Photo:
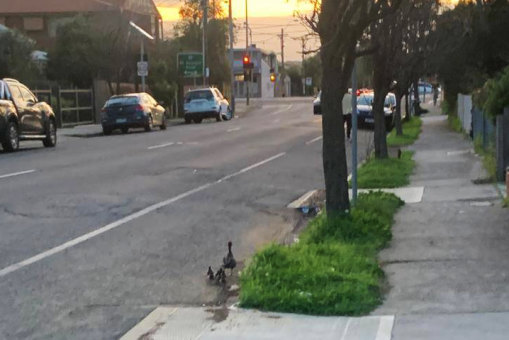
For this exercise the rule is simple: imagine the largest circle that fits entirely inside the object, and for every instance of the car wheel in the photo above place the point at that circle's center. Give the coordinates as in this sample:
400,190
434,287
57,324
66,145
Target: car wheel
197,120
150,124
51,135
10,141
187,120
163,123
107,131
124,130
228,115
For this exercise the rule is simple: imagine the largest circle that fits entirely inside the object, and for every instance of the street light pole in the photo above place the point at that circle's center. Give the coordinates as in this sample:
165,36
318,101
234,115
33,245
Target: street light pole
354,133
247,53
232,76
142,54
204,40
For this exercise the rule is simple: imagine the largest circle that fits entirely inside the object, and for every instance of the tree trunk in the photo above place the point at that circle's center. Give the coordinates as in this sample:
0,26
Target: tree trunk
334,154
381,151
397,114
408,114
417,99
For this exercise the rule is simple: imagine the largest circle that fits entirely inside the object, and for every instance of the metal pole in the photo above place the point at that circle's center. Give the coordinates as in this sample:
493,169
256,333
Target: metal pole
141,59
232,76
204,40
247,52
354,134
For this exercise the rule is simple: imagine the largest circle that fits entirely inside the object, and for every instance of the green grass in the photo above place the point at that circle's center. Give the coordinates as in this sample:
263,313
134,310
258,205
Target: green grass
506,202
454,123
488,157
386,173
411,132
333,270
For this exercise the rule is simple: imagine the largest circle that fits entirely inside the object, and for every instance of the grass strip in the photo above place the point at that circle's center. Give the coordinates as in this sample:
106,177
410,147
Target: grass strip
411,132
386,173
333,270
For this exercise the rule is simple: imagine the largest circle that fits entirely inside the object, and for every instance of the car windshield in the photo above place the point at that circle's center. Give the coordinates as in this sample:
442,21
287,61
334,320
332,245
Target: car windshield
194,95
365,99
121,101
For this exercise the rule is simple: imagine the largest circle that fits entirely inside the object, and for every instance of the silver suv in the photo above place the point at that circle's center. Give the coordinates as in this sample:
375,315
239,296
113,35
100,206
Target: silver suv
206,103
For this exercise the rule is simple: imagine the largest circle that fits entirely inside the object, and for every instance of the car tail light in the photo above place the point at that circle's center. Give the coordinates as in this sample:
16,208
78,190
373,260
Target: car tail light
139,107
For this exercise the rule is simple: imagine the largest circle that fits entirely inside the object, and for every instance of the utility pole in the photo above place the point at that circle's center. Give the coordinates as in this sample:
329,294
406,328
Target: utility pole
303,40
283,60
204,40
232,76
354,133
248,83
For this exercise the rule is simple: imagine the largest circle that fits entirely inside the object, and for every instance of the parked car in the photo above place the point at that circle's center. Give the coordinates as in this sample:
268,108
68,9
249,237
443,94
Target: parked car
365,109
23,117
206,103
135,110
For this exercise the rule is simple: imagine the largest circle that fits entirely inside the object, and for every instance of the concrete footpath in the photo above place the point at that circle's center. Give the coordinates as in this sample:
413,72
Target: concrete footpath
205,323
448,263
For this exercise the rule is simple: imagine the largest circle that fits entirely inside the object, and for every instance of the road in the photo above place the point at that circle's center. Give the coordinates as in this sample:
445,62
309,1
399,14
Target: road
99,231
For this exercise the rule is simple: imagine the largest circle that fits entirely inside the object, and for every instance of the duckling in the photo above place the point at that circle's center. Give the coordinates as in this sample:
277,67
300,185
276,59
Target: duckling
210,274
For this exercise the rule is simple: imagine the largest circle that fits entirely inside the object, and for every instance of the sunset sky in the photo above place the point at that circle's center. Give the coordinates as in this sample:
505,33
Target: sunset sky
257,8
267,17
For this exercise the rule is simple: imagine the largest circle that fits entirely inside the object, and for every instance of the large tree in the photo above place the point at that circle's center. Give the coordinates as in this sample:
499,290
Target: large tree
16,56
83,53
402,50
340,24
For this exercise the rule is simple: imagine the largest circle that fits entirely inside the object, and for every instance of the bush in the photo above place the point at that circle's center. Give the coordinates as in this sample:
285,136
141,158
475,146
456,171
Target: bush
497,94
333,270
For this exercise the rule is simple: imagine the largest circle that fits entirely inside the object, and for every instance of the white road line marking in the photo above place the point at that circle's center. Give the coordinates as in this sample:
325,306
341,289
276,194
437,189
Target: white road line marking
160,146
345,331
233,129
58,249
18,173
282,110
314,140
385,328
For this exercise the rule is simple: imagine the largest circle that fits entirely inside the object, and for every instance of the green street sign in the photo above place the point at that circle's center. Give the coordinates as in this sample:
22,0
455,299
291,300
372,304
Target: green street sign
190,65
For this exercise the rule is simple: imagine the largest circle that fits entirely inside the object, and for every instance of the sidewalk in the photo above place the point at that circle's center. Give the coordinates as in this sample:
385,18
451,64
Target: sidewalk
205,323
448,264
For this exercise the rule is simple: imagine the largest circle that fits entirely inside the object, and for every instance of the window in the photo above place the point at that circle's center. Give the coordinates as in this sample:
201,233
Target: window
27,95
16,96
33,23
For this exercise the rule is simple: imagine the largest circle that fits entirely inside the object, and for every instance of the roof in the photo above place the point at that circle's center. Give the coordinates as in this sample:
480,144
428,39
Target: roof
73,6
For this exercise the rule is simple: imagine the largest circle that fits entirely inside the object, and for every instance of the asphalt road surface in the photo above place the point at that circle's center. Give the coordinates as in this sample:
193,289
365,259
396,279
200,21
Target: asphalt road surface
97,232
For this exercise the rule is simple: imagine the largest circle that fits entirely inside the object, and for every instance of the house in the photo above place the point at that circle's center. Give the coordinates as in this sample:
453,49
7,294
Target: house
261,85
40,19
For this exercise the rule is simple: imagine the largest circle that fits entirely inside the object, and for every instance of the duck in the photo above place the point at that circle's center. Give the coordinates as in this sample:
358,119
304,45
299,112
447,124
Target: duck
229,261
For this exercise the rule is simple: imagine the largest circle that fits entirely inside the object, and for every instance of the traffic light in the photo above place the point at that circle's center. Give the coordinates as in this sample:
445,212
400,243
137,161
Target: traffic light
246,61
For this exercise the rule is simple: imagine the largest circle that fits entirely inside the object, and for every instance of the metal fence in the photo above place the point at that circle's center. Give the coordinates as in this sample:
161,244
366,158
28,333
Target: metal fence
71,106
76,106
483,128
